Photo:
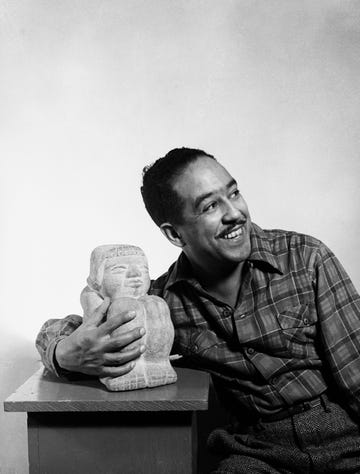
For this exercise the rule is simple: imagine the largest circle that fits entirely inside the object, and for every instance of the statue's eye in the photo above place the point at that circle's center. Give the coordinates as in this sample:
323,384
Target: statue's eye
118,268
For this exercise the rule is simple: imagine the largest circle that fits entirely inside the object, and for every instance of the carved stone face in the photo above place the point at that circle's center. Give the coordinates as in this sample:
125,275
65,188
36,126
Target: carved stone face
125,276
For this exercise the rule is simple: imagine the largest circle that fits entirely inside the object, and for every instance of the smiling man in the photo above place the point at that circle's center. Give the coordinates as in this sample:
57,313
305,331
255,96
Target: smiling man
214,226
271,314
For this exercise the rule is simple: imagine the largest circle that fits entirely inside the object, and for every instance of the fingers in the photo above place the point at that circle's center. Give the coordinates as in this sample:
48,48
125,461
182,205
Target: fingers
116,321
98,315
116,359
118,342
112,371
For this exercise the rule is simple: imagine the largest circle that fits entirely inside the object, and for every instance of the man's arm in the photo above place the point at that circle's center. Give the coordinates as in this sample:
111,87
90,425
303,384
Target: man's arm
338,305
70,345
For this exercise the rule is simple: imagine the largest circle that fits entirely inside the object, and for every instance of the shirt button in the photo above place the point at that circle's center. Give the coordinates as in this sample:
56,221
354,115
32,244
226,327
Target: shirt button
306,321
250,350
274,380
226,312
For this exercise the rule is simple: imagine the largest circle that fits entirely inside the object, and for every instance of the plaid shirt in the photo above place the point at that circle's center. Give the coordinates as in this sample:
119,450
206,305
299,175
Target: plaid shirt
294,333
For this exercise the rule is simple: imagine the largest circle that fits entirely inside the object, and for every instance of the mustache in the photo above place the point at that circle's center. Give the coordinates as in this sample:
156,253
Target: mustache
232,228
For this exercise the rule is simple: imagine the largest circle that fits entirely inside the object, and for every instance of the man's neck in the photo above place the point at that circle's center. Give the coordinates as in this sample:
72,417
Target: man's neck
223,285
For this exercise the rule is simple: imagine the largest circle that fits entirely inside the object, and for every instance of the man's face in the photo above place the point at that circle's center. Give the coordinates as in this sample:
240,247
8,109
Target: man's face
125,276
215,228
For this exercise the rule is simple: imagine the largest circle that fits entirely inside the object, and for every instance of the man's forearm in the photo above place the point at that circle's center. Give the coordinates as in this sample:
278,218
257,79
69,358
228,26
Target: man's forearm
91,347
50,334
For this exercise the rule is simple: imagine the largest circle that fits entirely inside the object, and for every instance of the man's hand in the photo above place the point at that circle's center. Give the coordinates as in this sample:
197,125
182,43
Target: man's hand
91,348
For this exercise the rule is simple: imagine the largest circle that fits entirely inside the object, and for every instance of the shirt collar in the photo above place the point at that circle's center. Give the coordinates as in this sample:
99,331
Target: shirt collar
261,256
180,270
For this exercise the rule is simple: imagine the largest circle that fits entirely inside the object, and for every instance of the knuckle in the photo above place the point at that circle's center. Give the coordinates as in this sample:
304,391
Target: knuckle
89,339
123,339
119,360
86,340
135,333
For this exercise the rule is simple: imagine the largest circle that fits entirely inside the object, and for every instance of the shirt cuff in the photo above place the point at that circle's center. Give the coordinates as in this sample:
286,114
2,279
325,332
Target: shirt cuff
50,361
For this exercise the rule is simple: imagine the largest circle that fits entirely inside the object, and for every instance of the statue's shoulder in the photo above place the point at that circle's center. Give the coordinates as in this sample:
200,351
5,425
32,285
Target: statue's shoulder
89,300
89,292
153,300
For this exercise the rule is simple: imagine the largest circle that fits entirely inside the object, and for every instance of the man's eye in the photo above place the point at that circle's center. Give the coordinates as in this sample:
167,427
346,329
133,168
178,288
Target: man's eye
235,194
210,207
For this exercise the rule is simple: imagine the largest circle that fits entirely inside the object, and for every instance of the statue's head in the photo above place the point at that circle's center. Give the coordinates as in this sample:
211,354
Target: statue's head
119,270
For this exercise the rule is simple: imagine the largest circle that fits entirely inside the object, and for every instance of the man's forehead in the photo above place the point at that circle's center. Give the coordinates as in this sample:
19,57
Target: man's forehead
203,176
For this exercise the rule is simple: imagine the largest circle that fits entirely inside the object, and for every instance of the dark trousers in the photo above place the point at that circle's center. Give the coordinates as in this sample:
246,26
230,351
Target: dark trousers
324,439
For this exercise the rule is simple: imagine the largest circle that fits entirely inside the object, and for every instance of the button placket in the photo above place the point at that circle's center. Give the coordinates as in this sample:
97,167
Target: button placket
227,312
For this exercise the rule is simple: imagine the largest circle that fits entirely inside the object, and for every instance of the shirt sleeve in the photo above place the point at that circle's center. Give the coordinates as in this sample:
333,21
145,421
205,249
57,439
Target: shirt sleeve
50,334
338,306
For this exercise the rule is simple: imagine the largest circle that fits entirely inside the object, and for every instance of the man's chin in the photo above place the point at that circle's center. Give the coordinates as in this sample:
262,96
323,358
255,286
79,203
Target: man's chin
236,251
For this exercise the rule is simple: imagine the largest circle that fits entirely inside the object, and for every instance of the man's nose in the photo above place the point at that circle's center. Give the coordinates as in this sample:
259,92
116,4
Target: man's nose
232,212
133,271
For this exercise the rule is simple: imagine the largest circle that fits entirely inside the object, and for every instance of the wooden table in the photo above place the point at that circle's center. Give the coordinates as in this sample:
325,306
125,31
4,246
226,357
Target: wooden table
80,427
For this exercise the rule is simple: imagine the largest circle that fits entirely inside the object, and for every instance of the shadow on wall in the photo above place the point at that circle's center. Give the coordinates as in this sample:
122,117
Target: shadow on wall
18,360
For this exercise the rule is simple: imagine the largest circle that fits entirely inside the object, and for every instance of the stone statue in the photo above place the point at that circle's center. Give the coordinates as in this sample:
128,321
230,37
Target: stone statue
121,273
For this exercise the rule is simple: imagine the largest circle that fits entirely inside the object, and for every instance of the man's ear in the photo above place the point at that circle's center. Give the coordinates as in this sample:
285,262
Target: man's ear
172,234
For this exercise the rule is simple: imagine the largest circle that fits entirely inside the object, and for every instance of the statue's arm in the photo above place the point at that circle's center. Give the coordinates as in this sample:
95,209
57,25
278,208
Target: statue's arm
90,300
160,330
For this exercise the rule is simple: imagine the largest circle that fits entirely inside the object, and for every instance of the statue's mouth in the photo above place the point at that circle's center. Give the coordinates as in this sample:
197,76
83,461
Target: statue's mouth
134,282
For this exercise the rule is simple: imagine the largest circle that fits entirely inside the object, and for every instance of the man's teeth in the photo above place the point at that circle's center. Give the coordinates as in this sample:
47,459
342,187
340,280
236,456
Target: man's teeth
234,233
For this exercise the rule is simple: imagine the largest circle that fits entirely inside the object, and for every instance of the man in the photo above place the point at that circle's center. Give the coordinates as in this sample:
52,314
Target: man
270,314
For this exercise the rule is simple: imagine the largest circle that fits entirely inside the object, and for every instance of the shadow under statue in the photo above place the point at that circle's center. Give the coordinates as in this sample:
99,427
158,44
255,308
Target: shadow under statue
121,273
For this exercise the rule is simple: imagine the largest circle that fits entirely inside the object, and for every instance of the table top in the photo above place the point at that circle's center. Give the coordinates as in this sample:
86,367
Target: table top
44,392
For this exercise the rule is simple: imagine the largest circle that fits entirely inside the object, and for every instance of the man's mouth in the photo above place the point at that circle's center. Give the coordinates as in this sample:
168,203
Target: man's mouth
234,233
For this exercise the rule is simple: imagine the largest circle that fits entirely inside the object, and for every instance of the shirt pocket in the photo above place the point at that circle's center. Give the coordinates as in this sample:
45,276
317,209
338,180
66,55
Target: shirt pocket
202,341
203,349
298,329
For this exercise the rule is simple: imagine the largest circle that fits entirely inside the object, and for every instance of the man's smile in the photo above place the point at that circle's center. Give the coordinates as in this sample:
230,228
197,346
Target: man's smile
234,233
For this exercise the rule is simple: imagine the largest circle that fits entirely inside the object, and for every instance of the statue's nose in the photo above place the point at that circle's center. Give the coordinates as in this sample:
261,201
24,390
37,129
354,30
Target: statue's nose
133,271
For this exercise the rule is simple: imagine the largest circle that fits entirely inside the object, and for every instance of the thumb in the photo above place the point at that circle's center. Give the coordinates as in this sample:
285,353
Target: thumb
100,312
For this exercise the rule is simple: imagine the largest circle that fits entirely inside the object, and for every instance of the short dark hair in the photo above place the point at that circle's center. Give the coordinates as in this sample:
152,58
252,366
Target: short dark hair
161,200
